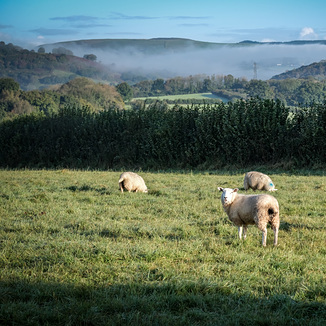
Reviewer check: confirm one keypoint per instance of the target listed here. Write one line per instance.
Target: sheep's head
(271, 187)
(228, 195)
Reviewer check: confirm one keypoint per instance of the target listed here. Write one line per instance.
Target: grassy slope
(74, 250)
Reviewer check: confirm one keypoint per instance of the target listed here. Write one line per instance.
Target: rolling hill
(33, 70)
(316, 70)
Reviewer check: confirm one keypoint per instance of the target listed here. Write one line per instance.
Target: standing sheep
(132, 182)
(256, 180)
(244, 210)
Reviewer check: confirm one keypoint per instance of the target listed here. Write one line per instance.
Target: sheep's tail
(272, 213)
(121, 179)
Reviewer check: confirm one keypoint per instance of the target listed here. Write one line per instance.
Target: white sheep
(132, 182)
(257, 180)
(244, 210)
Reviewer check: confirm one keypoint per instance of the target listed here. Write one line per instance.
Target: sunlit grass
(74, 250)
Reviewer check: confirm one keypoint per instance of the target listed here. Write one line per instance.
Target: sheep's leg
(240, 232)
(244, 232)
(264, 237)
(121, 186)
(275, 236)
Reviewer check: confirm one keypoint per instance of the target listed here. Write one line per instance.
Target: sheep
(244, 210)
(132, 182)
(257, 180)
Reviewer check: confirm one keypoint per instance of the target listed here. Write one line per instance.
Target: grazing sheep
(256, 180)
(244, 210)
(132, 182)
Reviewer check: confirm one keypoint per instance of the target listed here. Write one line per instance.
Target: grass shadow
(85, 188)
(157, 303)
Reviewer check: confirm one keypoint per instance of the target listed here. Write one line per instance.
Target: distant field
(197, 96)
(76, 251)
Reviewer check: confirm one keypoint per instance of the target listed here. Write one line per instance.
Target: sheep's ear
(235, 190)
(220, 188)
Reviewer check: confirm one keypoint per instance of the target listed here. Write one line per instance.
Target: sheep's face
(271, 187)
(228, 195)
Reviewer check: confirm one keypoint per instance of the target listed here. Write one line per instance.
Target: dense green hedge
(212, 136)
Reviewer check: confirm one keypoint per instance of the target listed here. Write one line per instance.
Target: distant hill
(162, 45)
(315, 70)
(33, 70)
(146, 46)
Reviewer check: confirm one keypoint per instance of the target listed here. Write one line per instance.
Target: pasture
(77, 251)
(196, 96)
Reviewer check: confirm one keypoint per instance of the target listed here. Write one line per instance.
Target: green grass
(76, 251)
(196, 96)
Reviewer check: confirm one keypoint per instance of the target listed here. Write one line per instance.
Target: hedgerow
(242, 133)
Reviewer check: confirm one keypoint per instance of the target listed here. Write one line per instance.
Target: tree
(62, 50)
(259, 88)
(207, 85)
(8, 84)
(158, 86)
(41, 50)
(91, 57)
(125, 91)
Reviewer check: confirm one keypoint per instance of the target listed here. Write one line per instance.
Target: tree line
(241, 133)
(292, 92)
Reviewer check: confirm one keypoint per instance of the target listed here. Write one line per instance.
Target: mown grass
(197, 96)
(76, 251)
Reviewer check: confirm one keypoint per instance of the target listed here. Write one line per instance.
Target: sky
(30, 23)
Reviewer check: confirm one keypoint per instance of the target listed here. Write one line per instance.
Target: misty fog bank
(237, 60)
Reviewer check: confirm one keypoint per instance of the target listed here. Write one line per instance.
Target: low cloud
(238, 61)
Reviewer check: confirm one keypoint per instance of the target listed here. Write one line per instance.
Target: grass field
(196, 96)
(76, 251)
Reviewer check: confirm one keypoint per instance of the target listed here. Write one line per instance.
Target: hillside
(146, 46)
(316, 70)
(33, 70)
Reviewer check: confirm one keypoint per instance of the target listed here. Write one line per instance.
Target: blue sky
(30, 23)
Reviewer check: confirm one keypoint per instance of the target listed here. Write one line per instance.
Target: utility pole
(255, 70)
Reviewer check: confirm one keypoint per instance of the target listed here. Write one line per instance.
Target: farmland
(76, 251)
(198, 96)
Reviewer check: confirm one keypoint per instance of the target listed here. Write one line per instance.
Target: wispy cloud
(124, 34)
(91, 25)
(190, 17)
(119, 16)
(5, 26)
(77, 18)
(193, 25)
(82, 21)
(53, 31)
